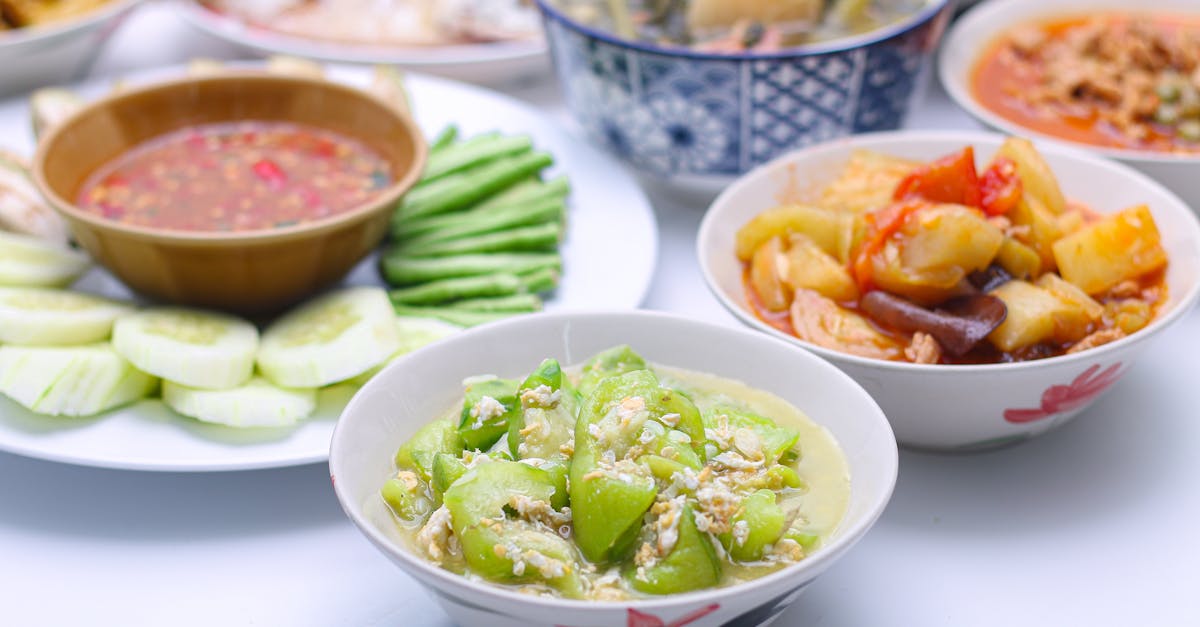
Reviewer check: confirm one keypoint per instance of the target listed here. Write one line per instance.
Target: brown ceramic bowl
(248, 272)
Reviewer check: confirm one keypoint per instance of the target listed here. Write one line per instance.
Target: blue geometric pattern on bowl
(673, 112)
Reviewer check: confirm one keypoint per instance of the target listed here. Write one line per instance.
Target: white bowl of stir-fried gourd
(983, 289)
(610, 469)
(44, 43)
(699, 92)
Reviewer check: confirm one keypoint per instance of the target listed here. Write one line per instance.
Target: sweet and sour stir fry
(616, 480)
(942, 263)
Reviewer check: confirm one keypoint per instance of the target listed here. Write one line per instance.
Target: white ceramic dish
(978, 28)
(419, 387)
(606, 206)
(486, 63)
(59, 52)
(958, 408)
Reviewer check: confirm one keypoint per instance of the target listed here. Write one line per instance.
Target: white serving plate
(608, 257)
(488, 63)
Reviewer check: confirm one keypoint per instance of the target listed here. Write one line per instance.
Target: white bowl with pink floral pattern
(966, 407)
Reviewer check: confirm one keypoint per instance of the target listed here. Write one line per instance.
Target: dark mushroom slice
(958, 324)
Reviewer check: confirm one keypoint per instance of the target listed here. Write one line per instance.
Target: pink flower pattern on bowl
(642, 619)
(1063, 398)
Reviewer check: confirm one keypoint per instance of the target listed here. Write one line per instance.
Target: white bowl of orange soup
(1119, 78)
(1031, 372)
(243, 192)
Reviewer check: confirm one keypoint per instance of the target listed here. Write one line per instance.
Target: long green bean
(445, 290)
(399, 269)
(541, 237)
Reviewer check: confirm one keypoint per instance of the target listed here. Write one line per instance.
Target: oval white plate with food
(490, 62)
(605, 206)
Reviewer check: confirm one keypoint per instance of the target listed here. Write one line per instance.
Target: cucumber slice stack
(198, 349)
(256, 403)
(45, 317)
(30, 261)
(70, 381)
(336, 337)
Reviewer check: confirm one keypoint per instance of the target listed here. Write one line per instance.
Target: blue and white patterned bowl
(678, 113)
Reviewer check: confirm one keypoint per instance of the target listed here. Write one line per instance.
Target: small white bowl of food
(46, 43)
(1119, 78)
(612, 469)
(983, 289)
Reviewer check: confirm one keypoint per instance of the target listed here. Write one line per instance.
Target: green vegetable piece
(614, 361)
(516, 303)
(461, 317)
(444, 290)
(808, 541)
(667, 408)
(691, 565)
(777, 441)
(399, 269)
(607, 512)
(666, 402)
(547, 419)
(407, 503)
(478, 503)
(418, 453)
(488, 408)
(786, 476)
(558, 468)
(446, 470)
(764, 522)
(444, 139)
(661, 467)
(540, 280)
(466, 224)
(473, 152)
(534, 238)
(462, 189)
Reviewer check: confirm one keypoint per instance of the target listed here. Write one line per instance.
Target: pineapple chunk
(1036, 177)
(834, 232)
(1070, 294)
(929, 287)
(867, 182)
(1037, 315)
(1122, 246)
(809, 267)
(1019, 260)
(1040, 230)
(948, 236)
(766, 272)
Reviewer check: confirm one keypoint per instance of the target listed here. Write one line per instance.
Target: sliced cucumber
(51, 105)
(200, 349)
(414, 333)
(333, 338)
(46, 317)
(30, 261)
(256, 403)
(71, 381)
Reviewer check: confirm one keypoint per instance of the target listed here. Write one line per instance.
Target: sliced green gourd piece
(71, 381)
(419, 452)
(547, 418)
(498, 547)
(758, 522)
(255, 403)
(690, 565)
(489, 406)
(406, 498)
(48, 317)
(447, 469)
(332, 338)
(607, 503)
(27, 261)
(558, 468)
(199, 349)
(777, 443)
(614, 361)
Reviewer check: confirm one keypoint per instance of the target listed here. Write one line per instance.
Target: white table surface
(1095, 524)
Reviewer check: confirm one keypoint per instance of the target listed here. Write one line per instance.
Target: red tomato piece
(270, 173)
(1000, 187)
(949, 179)
(881, 225)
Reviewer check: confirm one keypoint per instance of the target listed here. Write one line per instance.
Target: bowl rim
(111, 9)
(846, 537)
(868, 140)
(960, 89)
(384, 201)
(930, 11)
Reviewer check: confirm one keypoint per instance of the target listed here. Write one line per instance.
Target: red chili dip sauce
(236, 176)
